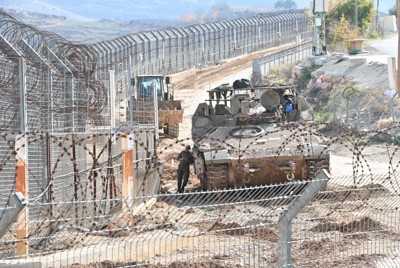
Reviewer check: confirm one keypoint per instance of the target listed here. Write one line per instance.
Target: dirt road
(191, 86)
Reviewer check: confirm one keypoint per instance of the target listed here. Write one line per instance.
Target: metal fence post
(285, 220)
(155, 102)
(111, 97)
(76, 177)
(21, 170)
(130, 92)
(50, 178)
(9, 214)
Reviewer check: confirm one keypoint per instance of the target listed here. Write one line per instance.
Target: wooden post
(127, 178)
(21, 185)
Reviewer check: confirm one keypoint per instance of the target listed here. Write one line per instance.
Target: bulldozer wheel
(172, 130)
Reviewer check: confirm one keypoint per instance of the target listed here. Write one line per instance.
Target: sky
(148, 9)
(131, 9)
(151, 9)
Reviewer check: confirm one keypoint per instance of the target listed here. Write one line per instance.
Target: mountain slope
(42, 7)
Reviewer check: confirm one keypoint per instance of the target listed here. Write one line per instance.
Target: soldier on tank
(288, 104)
(185, 160)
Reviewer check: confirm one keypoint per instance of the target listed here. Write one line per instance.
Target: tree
(341, 32)
(393, 10)
(285, 4)
(340, 22)
(347, 9)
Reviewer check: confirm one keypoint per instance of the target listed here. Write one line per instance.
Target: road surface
(386, 46)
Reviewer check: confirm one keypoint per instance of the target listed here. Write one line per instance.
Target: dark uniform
(185, 160)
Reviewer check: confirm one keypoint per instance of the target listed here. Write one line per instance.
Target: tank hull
(276, 154)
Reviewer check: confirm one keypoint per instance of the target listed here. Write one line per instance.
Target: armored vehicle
(247, 136)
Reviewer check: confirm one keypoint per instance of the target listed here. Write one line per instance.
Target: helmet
(287, 92)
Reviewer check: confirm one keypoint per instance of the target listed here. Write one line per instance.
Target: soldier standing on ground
(185, 160)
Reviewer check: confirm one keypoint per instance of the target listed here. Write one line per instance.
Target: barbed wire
(94, 216)
(67, 74)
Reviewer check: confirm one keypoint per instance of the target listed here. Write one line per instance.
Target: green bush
(340, 21)
(322, 117)
(302, 81)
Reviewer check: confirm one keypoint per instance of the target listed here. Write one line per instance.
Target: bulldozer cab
(170, 112)
(148, 85)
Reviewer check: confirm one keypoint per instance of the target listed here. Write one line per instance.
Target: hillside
(89, 31)
(93, 20)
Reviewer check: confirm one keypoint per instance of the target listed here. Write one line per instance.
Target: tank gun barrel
(275, 87)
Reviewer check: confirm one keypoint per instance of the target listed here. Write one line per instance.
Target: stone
(297, 71)
(310, 84)
(358, 61)
(320, 61)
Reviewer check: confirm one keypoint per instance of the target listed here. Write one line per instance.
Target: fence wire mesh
(364, 110)
(177, 49)
(85, 214)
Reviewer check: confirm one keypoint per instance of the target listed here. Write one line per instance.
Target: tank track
(315, 165)
(217, 176)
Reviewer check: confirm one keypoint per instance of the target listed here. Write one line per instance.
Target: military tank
(255, 135)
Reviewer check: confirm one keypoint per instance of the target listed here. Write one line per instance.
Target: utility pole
(356, 16)
(319, 8)
(377, 16)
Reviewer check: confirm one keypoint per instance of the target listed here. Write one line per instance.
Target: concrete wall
(388, 23)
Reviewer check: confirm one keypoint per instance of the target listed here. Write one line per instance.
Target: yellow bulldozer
(170, 112)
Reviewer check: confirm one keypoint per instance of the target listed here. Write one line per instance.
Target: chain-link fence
(290, 56)
(363, 110)
(100, 214)
(174, 50)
